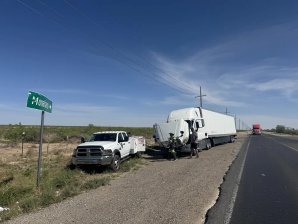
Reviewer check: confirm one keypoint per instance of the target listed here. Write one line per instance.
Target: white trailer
(137, 145)
(213, 128)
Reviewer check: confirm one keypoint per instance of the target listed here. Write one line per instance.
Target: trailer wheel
(138, 155)
(116, 163)
(208, 144)
(165, 153)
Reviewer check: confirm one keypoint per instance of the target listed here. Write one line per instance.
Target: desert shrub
(280, 129)
(62, 179)
(6, 178)
(31, 134)
(28, 172)
(29, 203)
(131, 164)
(14, 134)
(48, 197)
(56, 134)
(57, 152)
(30, 153)
(69, 191)
(10, 193)
(95, 183)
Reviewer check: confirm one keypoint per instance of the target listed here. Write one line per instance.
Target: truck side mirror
(83, 140)
(181, 132)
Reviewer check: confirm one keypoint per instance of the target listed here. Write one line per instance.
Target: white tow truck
(212, 127)
(108, 148)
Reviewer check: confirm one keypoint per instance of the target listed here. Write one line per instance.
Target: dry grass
(18, 176)
(10, 154)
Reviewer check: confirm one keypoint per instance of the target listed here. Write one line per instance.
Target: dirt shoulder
(161, 192)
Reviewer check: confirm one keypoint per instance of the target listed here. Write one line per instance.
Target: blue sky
(129, 63)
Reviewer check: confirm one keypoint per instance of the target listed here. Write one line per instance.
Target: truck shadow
(156, 153)
(89, 169)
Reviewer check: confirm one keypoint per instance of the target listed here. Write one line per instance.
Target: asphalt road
(262, 184)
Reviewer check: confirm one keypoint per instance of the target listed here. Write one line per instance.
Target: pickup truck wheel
(116, 163)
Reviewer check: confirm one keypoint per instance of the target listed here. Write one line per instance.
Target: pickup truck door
(124, 144)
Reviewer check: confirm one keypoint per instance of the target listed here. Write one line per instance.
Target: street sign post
(39, 102)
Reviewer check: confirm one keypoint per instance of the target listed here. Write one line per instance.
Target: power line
(127, 59)
(135, 62)
(201, 97)
(29, 7)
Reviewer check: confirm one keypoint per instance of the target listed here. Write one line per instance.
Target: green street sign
(39, 102)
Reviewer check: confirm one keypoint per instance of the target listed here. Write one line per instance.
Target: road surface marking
(285, 145)
(235, 190)
(289, 147)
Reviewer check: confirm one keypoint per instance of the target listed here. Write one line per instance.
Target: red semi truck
(256, 129)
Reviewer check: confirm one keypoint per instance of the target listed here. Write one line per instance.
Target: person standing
(194, 143)
(172, 144)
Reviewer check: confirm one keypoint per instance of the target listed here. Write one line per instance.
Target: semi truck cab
(256, 129)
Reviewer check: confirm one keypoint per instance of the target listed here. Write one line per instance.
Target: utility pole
(201, 96)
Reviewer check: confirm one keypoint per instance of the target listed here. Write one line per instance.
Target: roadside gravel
(163, 192)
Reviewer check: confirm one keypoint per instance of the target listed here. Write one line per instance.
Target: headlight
(107, 152)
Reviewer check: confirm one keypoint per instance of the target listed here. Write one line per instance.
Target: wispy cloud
(84, 92)
(188, 77)
(183, 100)
(66, 91)
(286, 86)
(229, 71)
(277, 80)
(3, 106)
(119, 97)
(84, 109)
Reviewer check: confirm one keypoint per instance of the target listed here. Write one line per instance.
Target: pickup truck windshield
(104, 137)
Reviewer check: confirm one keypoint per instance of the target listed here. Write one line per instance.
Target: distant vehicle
(108, 149)
(212, 127)
(256, 129)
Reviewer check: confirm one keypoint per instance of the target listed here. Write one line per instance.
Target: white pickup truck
(108, 148)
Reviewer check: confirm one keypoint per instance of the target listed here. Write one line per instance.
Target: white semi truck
(213, 128)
